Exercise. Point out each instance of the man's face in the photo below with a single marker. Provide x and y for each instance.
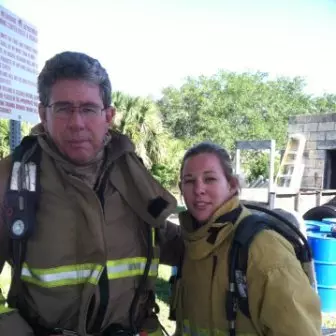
(76, 119)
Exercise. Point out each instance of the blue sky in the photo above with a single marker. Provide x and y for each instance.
(149, 44)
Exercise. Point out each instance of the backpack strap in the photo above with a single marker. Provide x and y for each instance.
(237, 296)
(20, 202)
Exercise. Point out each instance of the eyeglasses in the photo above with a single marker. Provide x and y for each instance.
(64, 110)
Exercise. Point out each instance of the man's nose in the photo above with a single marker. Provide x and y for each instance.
(76, 119)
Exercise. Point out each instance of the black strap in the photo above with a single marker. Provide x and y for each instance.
(103, 280)
(104, 300)
(14, 212)
(143, 280)
(237, 296)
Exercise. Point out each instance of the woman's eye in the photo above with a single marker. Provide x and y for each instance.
(187, 181)
(210, 179)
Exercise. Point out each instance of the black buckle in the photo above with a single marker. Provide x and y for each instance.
(64, 332)
(114, 330)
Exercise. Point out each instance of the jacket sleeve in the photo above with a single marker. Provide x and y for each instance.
(171, 244)
(282, 302)
(11, 323)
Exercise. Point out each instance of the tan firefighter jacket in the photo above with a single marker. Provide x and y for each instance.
(281, 301)
(77, 240)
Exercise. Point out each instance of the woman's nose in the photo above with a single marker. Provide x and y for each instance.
(199, 188)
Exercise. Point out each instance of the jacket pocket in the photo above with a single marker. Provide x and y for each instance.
(115, 208)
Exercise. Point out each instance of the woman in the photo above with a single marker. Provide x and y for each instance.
(281, 301)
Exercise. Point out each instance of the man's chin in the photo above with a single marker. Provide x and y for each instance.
(79, 158)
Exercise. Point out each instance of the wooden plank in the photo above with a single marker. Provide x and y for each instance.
(254, 144)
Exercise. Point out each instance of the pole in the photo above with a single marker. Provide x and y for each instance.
(271, 166)
(237, 161)
(14, 134)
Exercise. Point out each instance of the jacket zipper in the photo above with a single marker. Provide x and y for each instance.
(214, 266)
(103, 282)
(104, 265)
(87, 304)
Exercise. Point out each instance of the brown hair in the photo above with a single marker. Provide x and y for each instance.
(73, 65)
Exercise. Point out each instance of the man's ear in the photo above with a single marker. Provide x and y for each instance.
(109, 114)
(43, 114)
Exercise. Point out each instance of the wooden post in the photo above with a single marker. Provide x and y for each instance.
(271, 167)
(318, 197)
(271, 200)
(297, 201)
(237, 161)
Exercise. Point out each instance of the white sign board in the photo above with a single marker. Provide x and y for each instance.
(18, 68)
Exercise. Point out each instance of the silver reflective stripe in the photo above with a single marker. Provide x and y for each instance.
(61, 276)
(129, 269)
(140, 266)
(79, 274)
(15, 176)
(29, 180)
(69, 275)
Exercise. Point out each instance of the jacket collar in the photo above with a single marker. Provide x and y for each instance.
(201, 242)
(115, 145)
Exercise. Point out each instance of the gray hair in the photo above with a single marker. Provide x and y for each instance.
(73, 65)
(211, 148)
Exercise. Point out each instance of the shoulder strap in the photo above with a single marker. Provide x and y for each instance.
(244, 234)
(21, 201)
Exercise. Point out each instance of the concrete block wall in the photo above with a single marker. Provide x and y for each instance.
(320, 133)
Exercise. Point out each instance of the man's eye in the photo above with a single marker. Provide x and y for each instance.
(62, 109)
(89, 110)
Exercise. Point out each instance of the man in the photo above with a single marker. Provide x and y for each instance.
(89, 265)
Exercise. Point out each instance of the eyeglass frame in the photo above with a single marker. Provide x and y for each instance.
(74, 107)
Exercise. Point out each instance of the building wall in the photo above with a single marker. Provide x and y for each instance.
(320, 133)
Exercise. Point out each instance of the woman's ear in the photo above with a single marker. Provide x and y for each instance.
(234, 184)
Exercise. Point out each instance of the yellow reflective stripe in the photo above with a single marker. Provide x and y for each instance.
(80, 274)
(129, 267)
(153, 237)
(187, 331)
(61, 276)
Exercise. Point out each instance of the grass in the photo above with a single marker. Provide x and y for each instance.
(162, 290)
(162, 287)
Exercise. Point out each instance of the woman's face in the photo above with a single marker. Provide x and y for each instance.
(204, 185)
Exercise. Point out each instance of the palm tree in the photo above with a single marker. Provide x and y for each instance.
(140, 120)
(4, 138)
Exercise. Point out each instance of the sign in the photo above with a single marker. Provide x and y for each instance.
(18, 68)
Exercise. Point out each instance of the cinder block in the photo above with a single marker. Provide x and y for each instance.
(326, 126)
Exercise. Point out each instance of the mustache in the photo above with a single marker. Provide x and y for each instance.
(77, 139)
